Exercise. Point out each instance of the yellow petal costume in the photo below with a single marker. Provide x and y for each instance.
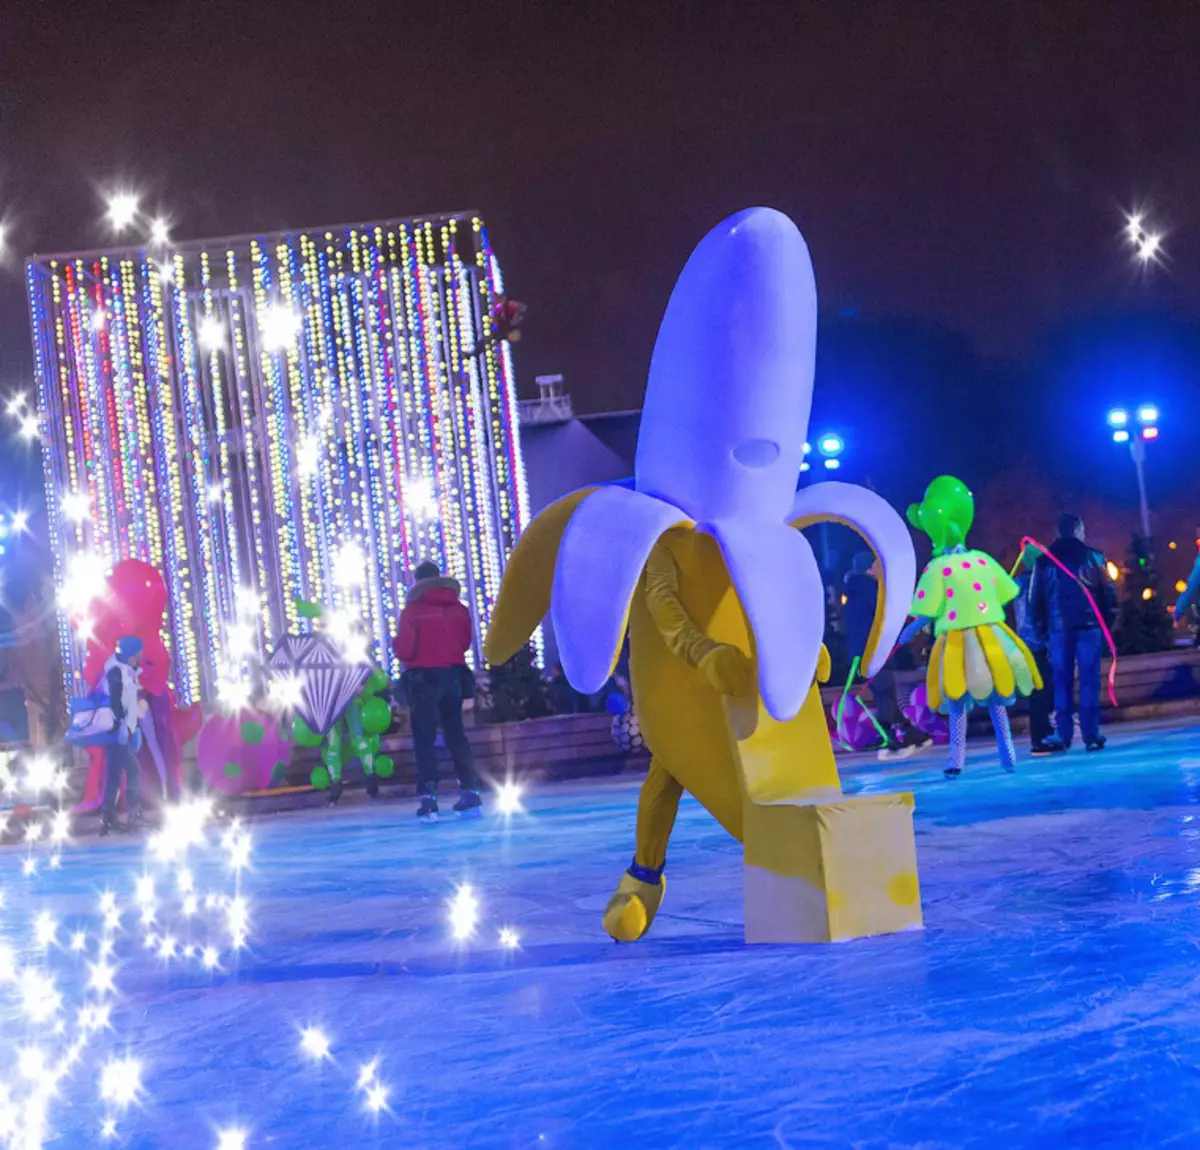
(703, 563)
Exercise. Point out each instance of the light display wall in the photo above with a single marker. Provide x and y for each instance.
(302, 415)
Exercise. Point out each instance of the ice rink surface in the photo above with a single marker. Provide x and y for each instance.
(1052, 1000)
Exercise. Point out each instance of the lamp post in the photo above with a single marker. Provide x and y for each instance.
(1137, 435)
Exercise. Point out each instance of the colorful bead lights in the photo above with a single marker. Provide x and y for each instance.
(251, 412)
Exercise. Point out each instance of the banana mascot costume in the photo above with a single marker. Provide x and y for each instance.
(703, 562)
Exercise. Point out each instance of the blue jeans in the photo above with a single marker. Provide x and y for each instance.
(1068, 649)
(119, 760)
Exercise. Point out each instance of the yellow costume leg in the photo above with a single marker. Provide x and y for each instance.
(633, 906)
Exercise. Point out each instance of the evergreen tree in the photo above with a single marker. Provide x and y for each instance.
(1143, 623)
(515, 690)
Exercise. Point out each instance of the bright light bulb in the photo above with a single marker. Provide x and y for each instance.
(166, 271)
(233, 1138)
(349, 566)
(314, 1043)
(464, 913)
(240, 639)
(20, 522)
(16, 403)
(246, 601)
(79, 941)
(211, 333)
(508, 798)
(308, 456)
(1133, 227)
(233, 693)
(102, 978)
(60, 827)
(1148, 247)
(99, 319)
(214, 492)
(160, 232)
(279, 327)
(76, 506)
(45, 928)
(367, 1073)
(211, 957)
(83, 582)
(420, 499)
(377, 1097)
(286, 692)
(122, 210)
(31, 427)
(509, 939)
(121, 1081)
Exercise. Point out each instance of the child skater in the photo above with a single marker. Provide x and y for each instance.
(976, 659)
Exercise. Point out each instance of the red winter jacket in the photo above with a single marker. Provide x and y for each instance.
(435, 628)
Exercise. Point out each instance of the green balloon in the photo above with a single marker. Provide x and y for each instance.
(361, 746)
(376, 715)
(945, 514)
(319, 778)
(303, 734)
(309, 610)
(373, 744)
(252, 732)
(376, 682)
(384, 767)
(232, 771)
(331, 754)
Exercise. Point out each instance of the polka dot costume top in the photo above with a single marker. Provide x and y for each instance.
(963, 590)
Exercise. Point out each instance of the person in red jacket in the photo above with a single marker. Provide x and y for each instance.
(432, 641)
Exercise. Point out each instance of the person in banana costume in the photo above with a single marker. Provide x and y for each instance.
(702, 558)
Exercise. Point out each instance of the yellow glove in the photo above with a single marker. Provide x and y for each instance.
(728, 670)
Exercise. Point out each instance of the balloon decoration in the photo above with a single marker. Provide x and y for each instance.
(918, 713)
(244, 752)
(339, 710)
(856, 729)
(627, 733)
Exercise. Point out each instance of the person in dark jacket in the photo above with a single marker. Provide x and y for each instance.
(1041, 702)
(432, 641)
(120, 756)
(858, 614)
(1063, 619)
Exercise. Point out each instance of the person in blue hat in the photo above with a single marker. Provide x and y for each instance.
(120, 756)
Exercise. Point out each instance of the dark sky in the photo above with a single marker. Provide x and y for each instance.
(966, 164)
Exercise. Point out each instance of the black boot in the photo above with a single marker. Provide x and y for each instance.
(469, 805)
(427, 811)
(335, 791)
(373, 786)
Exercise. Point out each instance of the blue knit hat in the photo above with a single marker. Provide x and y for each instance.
(128, 647)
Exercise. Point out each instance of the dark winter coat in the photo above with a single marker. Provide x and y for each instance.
(1057, 602)
(435, 628)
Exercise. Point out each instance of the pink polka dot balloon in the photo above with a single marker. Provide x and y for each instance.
(243, 752)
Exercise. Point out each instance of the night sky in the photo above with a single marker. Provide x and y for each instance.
(963, 167)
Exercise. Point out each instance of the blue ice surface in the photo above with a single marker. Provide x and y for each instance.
(1053, 999)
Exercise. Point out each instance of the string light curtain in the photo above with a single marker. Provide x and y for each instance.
(301, 415)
